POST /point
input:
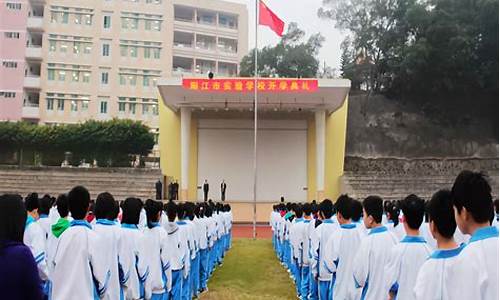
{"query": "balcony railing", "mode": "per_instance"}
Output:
(32, 81)
(31, 112)
(34, 52)
(35, 22)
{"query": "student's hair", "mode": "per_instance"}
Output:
(393, 211)
(373, 207)
(344, 206)
(104, 206)
(472, 191)
(314, 207)
(62, 205)
(307, 209)
(326, 208)
(297, 208)
(181, 211)
(45, 205)
(413, 209)
(116, 211)
(31, 202)
(357, 210)
(12, 219)
(78, 202)
(131, 211)
(152, 209)
(440, 210)
(171, 209)
(189, 210)
(208, 211)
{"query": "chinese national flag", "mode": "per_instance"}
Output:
(268, 18)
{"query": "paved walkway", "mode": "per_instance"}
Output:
(250, 271)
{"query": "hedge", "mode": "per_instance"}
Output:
(110, 143)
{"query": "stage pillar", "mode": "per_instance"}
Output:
(185, 143)
(320, 119)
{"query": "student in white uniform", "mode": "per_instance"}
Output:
(373, 254)
(473, 205)
(204, 230)
(410, 253)
(305, 288)
(311, 230)
(438, 277)
(57, 229)
(296, 231)
(156, 239)
(104, 211)
(34, 236)
(319, 242)
(393, 224)
(78, 273)
(357, 218)
(43, 211)
(341, 249)
(188, 246)
(132, 253)
(178, 251)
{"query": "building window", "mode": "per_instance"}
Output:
(13, 6)
(107, 22)
(8, 94)
(123, 51)
(78, 19)
(86, 77)
(147, 52)
(85, 105)
(156, 25)
(60, 104)
(50, 104)
(121, 104)
(105, 49)
(104, 107)
(145, 80)
(145, 109)
(123, 80)
(133, 51)
(155, 109)
(12, 35)
(62, 76)
(9, 64)
(52, 46)
(156, 53)
(132, 79)
(87, 19)
(75, 76)
(64, 48)
(87, 48)
(51, 74)
(131, 107)
(74, 105)
(104, 77)
(65, 17)
(77, 46)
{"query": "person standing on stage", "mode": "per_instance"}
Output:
(176, 190)
(223, 187)
(158, 187)
(205, 190)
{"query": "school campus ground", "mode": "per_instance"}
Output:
(250, 270)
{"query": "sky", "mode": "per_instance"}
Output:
(304, 12)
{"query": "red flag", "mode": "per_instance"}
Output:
(268, 18)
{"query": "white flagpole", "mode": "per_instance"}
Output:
(255, 125)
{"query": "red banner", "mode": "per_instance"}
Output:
(247, 85)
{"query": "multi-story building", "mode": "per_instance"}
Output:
(68, 61)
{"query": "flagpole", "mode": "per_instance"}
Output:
(255, 124)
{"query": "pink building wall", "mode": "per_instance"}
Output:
(12, 79)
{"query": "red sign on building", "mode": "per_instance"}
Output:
(247, 85)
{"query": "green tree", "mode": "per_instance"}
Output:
(290, 58)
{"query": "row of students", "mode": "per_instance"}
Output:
(353, 254)
(128, 251)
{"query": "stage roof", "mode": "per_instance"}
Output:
(327, 94)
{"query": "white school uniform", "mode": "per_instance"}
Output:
(479, 263)
(34, 238)
(132, 260)
(76, 264)
(405, 260)
(296, 231)
(319, 241)
(110, 243)
(438, 278)
(339, 256)
(425, 232)
(53, 215)
(369, 263)
(158, 259)
(176, 249)
(186, 247)
(398, 231)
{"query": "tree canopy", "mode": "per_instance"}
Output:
(420, 50)
(292, 57)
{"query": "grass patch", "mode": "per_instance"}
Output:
(250, 271)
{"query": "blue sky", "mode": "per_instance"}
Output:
(304, 12)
